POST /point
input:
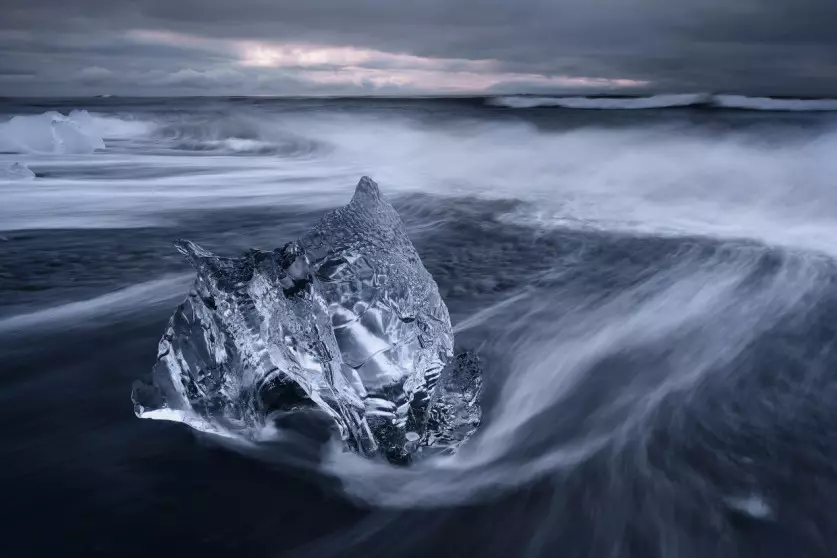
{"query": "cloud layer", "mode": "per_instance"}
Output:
(284, 47)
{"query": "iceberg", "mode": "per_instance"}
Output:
(345, 319)
(50, 133)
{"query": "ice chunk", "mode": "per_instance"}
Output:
(251, 339)
(345, 318)
(50, 132)
(15, 171)
(454, 412)
(751, 505)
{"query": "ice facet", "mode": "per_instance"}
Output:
(346, 319)
(454, 412)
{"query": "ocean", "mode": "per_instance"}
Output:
(651, 285)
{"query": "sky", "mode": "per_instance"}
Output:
(417, 47)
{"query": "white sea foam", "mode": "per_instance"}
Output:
(121, 302)
(774, 104)
(111, 126)
(536, 398)
(613, 103)
(656, 179)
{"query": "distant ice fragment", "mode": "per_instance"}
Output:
(15, 172)
(346, 319)
(752, 505)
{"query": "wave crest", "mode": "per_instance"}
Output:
(235, 134)
(613, 103)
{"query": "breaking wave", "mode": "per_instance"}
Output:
(82, 132)
(668, 101)
(234, 134)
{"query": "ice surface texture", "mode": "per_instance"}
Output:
(346, 319)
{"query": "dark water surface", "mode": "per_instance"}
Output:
(653, 294)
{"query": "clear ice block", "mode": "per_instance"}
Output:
(346, 319)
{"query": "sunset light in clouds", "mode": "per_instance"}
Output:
(334, 65)
(330, 65)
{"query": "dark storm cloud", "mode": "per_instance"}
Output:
(749, 46)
